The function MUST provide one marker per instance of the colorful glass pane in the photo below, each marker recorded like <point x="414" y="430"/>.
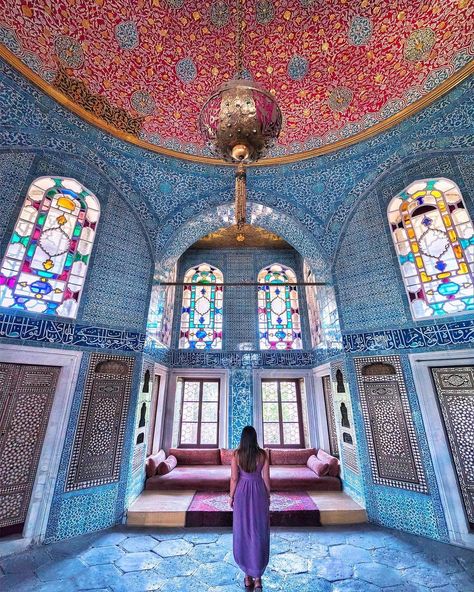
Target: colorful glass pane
<point x="434" y="239"/>
<point x="278" y="310"/>
<point x="45" y="264"/>
<point x="201" y="313"/>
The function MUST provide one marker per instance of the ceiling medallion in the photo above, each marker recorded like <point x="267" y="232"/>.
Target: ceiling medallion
<point x="240" y="123"/>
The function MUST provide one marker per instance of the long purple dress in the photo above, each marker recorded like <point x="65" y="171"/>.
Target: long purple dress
<point x="251" y="523"/>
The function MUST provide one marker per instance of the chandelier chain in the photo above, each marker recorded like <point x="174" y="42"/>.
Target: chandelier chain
<point x="239" y="39"/>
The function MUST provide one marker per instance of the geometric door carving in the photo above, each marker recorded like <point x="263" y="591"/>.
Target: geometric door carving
<point x="330" y="416"/>
<point x="26" y="397"/>
<point x="98" y="443"/>
<point x="393" y="448"/>
<point x="455" y="390"/>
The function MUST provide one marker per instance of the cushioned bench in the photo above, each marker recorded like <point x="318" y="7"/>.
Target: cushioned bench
<point x="209" y="470"/>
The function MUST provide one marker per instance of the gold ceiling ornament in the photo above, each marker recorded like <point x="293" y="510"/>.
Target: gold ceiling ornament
<point x="240" y="123"/>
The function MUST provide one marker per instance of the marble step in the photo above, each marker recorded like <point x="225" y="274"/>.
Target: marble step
<point x="168" y="508"/>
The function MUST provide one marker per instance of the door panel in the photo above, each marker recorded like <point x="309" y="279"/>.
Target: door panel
<point x="330" y="417"/>
<point x="455" y="390"/>
<point x="26" y="396"/>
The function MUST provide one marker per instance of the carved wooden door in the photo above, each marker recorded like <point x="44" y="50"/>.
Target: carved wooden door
<point x="455" y="389"/>
<point x="26" y="396"/>
<point x="330" y="416"/>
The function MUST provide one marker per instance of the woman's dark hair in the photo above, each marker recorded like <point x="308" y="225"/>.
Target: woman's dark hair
<point x="249" y="452"/>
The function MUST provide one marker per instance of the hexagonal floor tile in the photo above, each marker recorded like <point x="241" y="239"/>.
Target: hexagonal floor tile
<point x="96" y="576"/>
<point x="138" y="581"/>
<point x="208" y="553"/>
<point x="138" y="544"/>
<point x="394" y="558"/>
<point x="354" y="585"/>
<point x="173" y="548"/>
<point x="109" y="538"/>
<point x="289" y="563"/>
<point x="378" y="574"/>
<point x="350" y="554"/>
<point x="60" y="570"/>
<point x="215" y="574"/>
<point x="332" y="569"/>
<point x="177" y="566"/>
<point x="201" y="538"/>
<point x="138" y="561"/>
<point x="100" y="555"/>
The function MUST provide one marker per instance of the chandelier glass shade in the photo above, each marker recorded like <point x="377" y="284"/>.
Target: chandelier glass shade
<point x="240" y="121"/>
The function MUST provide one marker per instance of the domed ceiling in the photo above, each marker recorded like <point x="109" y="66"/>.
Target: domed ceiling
<point x="145" y="68"/>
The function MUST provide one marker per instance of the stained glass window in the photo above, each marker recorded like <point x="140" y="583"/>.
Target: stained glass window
<point x="434" y="240"/>
<point x="201" y="314"/>
<point x="278" y="310"/>
<point x="44" y="267"/>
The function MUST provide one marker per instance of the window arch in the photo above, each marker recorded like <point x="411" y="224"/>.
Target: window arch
<point x="44" y="267"/>
<point x="434" y="239"/>
<point x="201" y="314"/>
<point x="278" y="310"/>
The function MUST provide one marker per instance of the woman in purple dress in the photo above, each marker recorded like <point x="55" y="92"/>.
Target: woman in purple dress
<point x="250" y="499"/>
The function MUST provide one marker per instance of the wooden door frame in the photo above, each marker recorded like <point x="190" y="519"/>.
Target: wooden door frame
<point x="43" y="488"/>
<point x="451" y="500"/>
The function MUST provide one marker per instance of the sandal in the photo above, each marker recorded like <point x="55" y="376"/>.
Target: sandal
<point x="259" y="586"/>
<point x="248" y="582"/>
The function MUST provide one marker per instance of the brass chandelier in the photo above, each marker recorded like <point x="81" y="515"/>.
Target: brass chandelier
<point x="240" y="122"/>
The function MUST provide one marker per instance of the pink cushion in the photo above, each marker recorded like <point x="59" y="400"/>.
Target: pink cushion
<point x="331" y="460"/>
<point x="152" y="463"/>
<point x="317" y="466"/>
<point x="298" y="477"/>
<point x="167" y="465"/>
<point x="290" y="456"/>
<point x="227" y="454"/>
<point x="200" y="478"/>
<point x="217" y="478"/>
<point x="197" y="456"/>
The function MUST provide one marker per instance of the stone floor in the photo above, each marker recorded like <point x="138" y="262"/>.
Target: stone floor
<point x="361" y="558"/>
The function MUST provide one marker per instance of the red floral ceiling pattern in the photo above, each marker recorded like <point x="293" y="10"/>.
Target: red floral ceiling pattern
<point x="336" y="67"/>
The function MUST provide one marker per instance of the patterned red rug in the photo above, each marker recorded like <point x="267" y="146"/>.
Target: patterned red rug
<point x="211" y="508"/>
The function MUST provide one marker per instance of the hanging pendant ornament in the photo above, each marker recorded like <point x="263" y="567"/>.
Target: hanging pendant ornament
<point x="240" y="122"/>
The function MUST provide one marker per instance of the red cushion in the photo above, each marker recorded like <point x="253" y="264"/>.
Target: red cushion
<point x="196" y="456"/>
<point x="152" y="463"/>
<point x="227" y="454"/>
<point x="290" y="456"/>
<point x="167" y="465"/>
<point x="331" y="460"/>
<point x="317" y="466"/>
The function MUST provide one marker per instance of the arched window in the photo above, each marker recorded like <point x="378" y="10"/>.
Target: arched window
<point x="278" y="310"/>
<point x="45" y="264"/>
<point x="201" y="315"/>
<point x="434" y="240"/>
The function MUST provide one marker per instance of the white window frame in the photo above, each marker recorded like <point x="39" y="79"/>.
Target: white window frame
<point x="445" y="472"/>
<point x="278" y="374"/>
<point x="36" y="521"/>
<point x="169" y="436"/>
